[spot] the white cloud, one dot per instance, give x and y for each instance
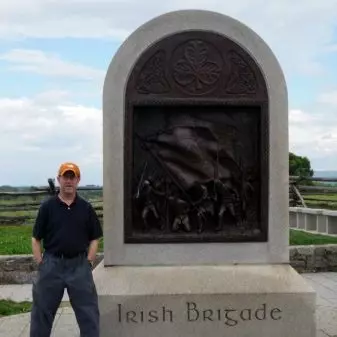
(298, 31)
(38, 132)
(297, 117)
(329, 98)
(314, 135)
(52, 97)
(36, 61)
(42, 131)
(38, 135)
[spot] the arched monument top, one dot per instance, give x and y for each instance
(194, 59)
(196, 65)
(176, 22)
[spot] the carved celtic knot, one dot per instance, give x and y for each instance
(196, 67)
(242, 78)
(152, 79)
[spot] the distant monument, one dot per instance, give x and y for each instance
(195, 141)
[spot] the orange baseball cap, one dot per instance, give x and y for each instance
(69, 167)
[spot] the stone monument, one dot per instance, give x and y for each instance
(195, 142)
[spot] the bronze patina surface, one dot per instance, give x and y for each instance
(196, 143)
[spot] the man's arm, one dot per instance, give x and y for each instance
(95, 234)
(37, 251)
(92, 251)
(38, 232)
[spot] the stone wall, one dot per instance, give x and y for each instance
(314, 258)
(20, 269)
(17, 269)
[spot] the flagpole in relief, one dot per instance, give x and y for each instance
(165, 169)
(141, 179)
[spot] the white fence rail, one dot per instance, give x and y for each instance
(321, 221)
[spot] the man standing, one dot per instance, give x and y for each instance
(69, 229)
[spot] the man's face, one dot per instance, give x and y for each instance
(68, 182)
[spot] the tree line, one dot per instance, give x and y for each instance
(300, 166)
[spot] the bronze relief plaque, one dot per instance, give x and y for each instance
(196, 143)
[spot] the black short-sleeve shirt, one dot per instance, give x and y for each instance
(66, 229)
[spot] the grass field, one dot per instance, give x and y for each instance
(299, 238)
(16, 223)
(8, 308)
(17, 239)
(323, 201)
(22, 211)
(322, 197)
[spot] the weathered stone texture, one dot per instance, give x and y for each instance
(22, 269)
(314, 258)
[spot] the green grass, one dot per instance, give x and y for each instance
(10, 213)
(20, 200)
(322, 201)
(21, 216)
(299, 238)
(330, 197)
(321, 205)
(8, 307)
(17, 240)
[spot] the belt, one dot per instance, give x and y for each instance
(69, 256)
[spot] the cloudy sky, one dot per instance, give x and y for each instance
(54, 55)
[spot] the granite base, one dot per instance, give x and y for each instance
(217, 301)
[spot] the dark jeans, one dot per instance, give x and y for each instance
(54, 275)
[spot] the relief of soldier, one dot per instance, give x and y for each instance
(172, 209)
